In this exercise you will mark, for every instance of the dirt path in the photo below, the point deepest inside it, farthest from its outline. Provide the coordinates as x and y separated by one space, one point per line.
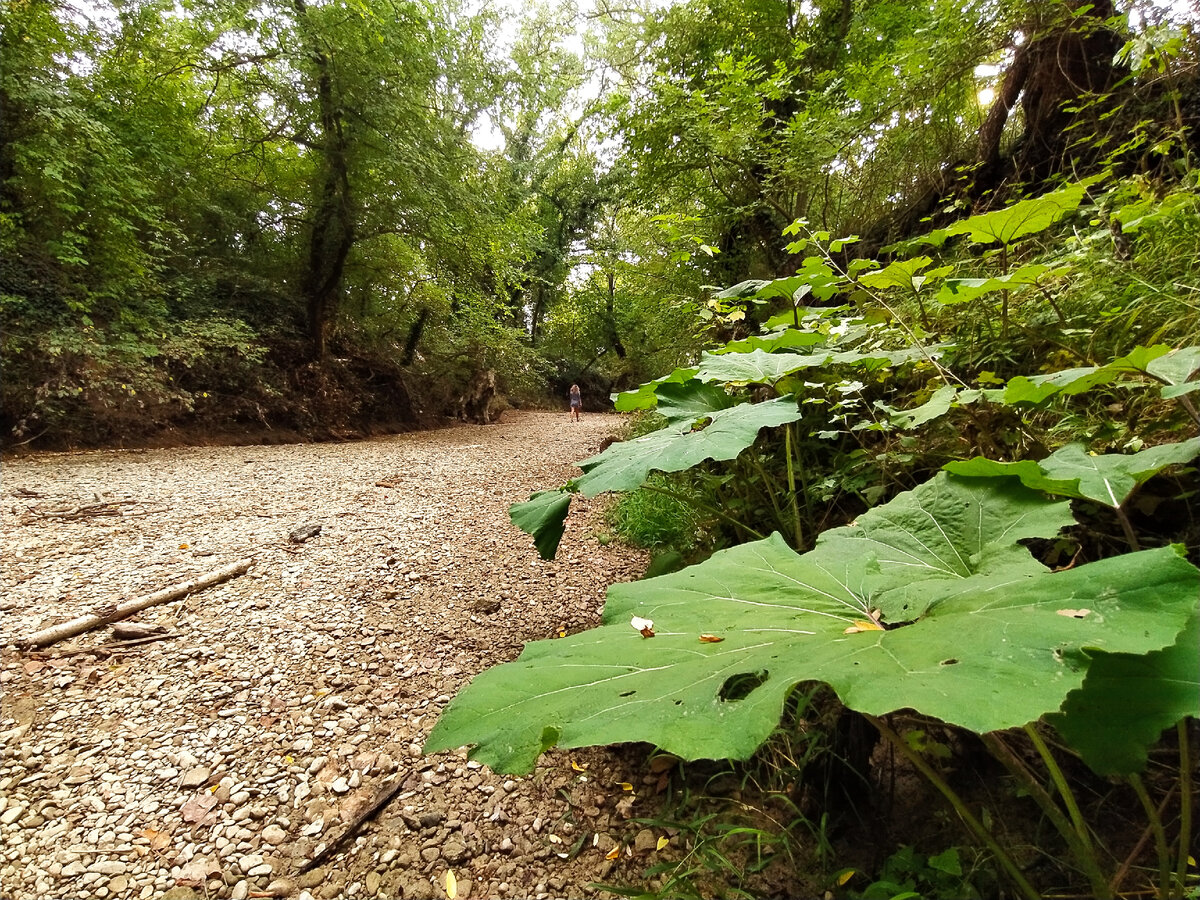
217 763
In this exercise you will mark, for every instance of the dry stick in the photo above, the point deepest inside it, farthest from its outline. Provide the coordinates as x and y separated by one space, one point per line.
1115 884
385 797
108 615
111 647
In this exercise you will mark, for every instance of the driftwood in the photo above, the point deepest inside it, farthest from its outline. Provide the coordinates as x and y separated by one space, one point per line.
381 800
131 631
108 649
115 613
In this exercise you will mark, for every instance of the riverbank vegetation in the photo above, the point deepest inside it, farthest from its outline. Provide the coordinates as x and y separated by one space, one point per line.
906 298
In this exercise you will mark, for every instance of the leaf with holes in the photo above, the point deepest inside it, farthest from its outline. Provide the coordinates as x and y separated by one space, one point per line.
983 644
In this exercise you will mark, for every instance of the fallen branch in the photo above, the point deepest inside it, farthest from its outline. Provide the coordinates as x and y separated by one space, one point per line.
383 799
109 614
111 647
105 508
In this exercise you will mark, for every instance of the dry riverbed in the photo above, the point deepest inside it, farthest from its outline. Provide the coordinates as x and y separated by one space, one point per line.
217 762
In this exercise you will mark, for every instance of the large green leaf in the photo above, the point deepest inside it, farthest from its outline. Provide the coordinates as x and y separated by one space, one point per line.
903 273
1126 701
945 531
1175 369
543 515
1000 641
1004 226
761 367
960 290
1073 472
625 465
683 404
1038 388
787 339
757 366
645 396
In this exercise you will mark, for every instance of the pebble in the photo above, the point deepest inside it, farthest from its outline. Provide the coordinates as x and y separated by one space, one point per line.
273 834
193 778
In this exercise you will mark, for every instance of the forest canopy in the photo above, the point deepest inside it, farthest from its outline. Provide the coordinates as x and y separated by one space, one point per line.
330 217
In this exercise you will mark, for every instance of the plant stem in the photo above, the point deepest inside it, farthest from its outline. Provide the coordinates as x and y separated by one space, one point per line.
1160 836
769 489
1081 851
1127 527
692 501
791 470
973 824
1185 800
1064 789
1119 878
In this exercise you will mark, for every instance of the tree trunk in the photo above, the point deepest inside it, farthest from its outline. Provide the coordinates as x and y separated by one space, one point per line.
1064 67
332 233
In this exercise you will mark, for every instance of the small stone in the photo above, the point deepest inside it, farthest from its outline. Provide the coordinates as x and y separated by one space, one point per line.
429 854
108 867
73 869
11 815
259 871
339 786
645 842
249 861
195 777
372 883
454 851
282 887
241 891
119 884
274 835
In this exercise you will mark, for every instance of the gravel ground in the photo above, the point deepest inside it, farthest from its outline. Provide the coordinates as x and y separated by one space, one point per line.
217 762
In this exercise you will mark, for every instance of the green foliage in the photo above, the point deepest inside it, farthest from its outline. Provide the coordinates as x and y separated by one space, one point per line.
1126 701
664 515
1109 479
967 609
909 875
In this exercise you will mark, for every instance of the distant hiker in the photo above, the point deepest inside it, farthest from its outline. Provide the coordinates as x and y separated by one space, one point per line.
576 402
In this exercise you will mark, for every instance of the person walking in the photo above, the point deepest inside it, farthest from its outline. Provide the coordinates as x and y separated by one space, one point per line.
576 402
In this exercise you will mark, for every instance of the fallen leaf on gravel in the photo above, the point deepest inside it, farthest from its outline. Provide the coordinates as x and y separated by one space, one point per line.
159 840
613 853
451 885
625 785
662 842
199 808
